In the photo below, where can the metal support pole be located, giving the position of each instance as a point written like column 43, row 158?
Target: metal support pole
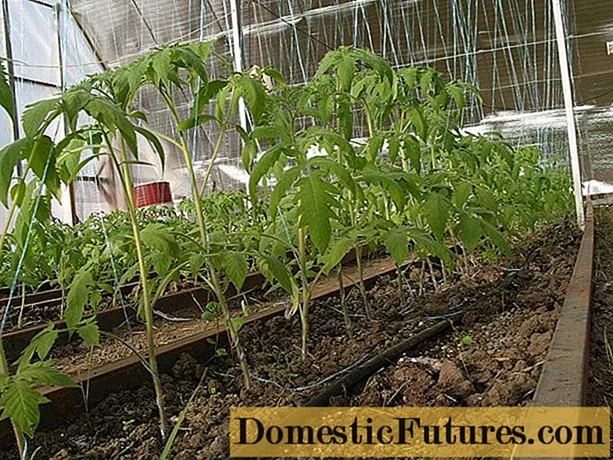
column 88, row 39
column 238, row 54
column 569, row 106
column 68, row 196
column 10, row 70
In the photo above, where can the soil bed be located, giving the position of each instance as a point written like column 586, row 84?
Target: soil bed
column 51, row 310
column 600, row 381
column 73, row 357
column 516, row 303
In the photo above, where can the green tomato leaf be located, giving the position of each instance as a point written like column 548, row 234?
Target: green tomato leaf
column 162, row 64
column 89, row 332
column 205, row 94
column 44, row 373
column 154, row 142
column 286, row 181
column 6, row 94
column 237, row 323
column 157, row 236
column 161, row 262
column 196, row 121
column 36, row 114
column 196, row 262
column 261, row 168
column 236, row 267
column 426, row 242
column 470, row 231
column 20, row 402
column 43, row 157
column 495, row 236
column 457, row 93
column 339, row 248
column 419, row 124
column 254, row 94
column 316, row 201
column 397, row 244
column 436, row 211
column 40, row 344
column 9, row 156
column 335, row 168
column 77, row 297
column 275, row 271
column 461, row 192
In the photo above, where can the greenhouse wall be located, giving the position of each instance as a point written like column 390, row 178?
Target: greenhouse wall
column 505, row 47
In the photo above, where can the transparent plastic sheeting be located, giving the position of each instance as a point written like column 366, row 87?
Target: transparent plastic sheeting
column 505, row 47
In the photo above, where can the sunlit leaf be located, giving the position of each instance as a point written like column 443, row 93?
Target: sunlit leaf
column 20, row 403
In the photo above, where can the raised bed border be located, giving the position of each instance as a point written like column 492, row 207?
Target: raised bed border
column 563, row 379
column 129, row 373
column 16, row 340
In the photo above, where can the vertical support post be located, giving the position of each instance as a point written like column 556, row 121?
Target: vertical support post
column 10, row 70
column 569, row 106
column 68, row 204
column 238, row 54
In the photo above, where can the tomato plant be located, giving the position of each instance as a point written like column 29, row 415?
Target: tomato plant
column 417, row 182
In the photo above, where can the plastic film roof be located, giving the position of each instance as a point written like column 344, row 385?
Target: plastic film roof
column 505, row 47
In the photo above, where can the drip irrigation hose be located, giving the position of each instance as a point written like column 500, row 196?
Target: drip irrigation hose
column 392, row 354
column 389, row 356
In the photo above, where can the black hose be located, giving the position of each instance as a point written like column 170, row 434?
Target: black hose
column 389, row 356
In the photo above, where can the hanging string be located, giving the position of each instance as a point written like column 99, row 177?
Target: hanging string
column 26, row 244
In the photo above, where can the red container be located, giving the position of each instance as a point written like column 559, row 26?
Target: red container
column 152, row 193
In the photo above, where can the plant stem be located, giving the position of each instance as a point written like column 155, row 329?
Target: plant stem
column 126, row 179
column 4, row 370
column 190, row 169
column 399, row 279
column 422, row 277
column 7, row 223
column 358, row 256
column 304, row 309
column 234, row 337
column 197, row 198
column 23, row 304
column 434, row 282
column 90, row 367
column 387, row 207
column 405, row 163
column 148, row 309
column 216, row 151
column 361, row 286
column 341, row 290
column 369, row 121
column 444, row 272
column 433, row 157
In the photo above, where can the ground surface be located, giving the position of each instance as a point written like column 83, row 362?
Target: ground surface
column 493, row 358
column 600, row 383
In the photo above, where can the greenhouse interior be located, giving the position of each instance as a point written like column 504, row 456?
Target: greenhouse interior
column 306, row 229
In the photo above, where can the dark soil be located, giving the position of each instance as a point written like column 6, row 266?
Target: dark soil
column 494, row 356
column 515, row 306
column 600, row 382
column 51, row 310
column 74, row 357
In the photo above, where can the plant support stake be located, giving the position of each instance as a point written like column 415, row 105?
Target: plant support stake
column 569, row 106
column 237, row 52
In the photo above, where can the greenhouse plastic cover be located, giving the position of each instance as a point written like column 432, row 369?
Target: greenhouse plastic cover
column 505, row 47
